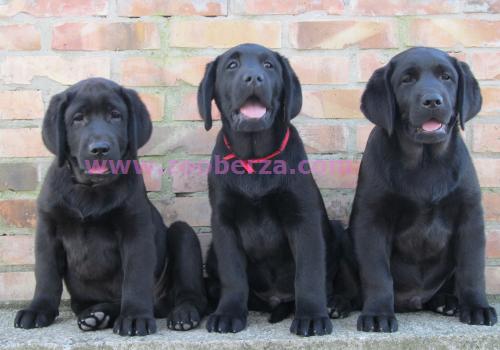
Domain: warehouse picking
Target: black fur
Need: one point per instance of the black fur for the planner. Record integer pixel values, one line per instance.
(273, 246)
(417, 220)
(99, 232)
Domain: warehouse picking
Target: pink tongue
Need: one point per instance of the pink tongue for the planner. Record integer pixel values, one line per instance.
(431, 125)
(253, 110)
(98, 170)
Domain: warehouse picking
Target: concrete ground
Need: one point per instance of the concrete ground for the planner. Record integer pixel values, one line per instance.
(422, 330)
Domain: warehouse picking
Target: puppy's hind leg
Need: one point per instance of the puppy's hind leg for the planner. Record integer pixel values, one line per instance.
(98, 316)
(185, 278)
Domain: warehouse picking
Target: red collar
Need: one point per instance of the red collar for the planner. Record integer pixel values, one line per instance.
(247, 163)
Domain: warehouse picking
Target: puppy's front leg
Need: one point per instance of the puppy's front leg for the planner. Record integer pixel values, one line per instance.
(138, 264)
(373, 251)
(469, 275)
(231, 313)
(308, 247)
(49, 266)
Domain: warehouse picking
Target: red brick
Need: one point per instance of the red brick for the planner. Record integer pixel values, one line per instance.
(18, 212)
(194, 210)
(491, 102)
(152, 172)
(485, 65)
(362, 133)
(187, 109)
(21, 104)
(22, 143)
(404, 7)
(447, 32)
(493, 244)
(342, 34)
(155, 103)
(17, 285)
(68, 70)
(335, 173)
(141, 71)
(323, 138)
(19, 37)
(290, 7)
(486, 138)
(17, 250)
(493, 279)
(487, 171)
(137, 8)
(106, 36)
(337, 103)
(188, 175)
(18, 177)
(491, 204)
(50, 8)
(224, 33)
(322, 69)
(369, 61)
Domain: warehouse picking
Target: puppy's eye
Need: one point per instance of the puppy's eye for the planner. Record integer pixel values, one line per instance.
(115, 114)
(268, 65)
(408, 79)
(445, 76)
(78, 117)
(232, 64)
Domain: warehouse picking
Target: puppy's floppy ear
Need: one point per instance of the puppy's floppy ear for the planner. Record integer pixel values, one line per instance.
(206, 93)
(378, 103)
(469, 100)
(292, 92)
(139, 123)
(54, 127)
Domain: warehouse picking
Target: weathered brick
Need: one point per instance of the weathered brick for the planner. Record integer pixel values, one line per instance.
(195, 210)
(492, 279)
(486, 138)
(18, 177)
(491, 103)
(448, 32)
(369, 61)
(491, 204)
(21, 104)
(205, 241)
(323, 138)
(155, 103)
(336, 103)
(404, 7)
(493, 244)
(322, 69)
(106, 36)
(67, 70)
(18, 212)
(22, 143)
(490, 6)
(335, 173)
(50, 8)
(485, 64)
(19, 37)
(224, 33)
(291, 7)
(487, 171)
(187, 108)
(137, 8)
(17, 250)
(16, 285)
(338, 205)
(188, 175)
(142, 71)
(152, 172)
(362, 133)
(342, 34)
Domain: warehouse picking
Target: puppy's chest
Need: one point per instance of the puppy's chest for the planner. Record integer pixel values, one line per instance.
(92, 249)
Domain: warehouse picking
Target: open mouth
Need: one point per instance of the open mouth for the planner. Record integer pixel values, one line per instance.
(98, 170)
(253, 109)
(432, 126)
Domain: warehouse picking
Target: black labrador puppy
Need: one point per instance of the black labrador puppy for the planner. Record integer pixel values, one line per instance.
(271, 234)
(417, 220)
(97, 229)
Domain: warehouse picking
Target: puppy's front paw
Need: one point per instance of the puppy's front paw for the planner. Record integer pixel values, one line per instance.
(377, 323)
(131, 326)
(183, 318)
(306, 327)
(226, 323)
(485, 316)
(28, 318)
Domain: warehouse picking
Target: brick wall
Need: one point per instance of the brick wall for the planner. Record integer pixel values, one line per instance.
(160, 48)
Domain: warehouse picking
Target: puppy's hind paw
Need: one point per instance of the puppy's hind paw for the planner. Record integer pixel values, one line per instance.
(444, 304)
(340, 307)
(94, 321)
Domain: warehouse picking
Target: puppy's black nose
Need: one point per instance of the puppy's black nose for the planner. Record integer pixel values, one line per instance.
(253, 78)
(432, 100)
(99, 148)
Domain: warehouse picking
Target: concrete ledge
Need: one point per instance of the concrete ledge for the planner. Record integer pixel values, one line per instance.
(417, 331)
